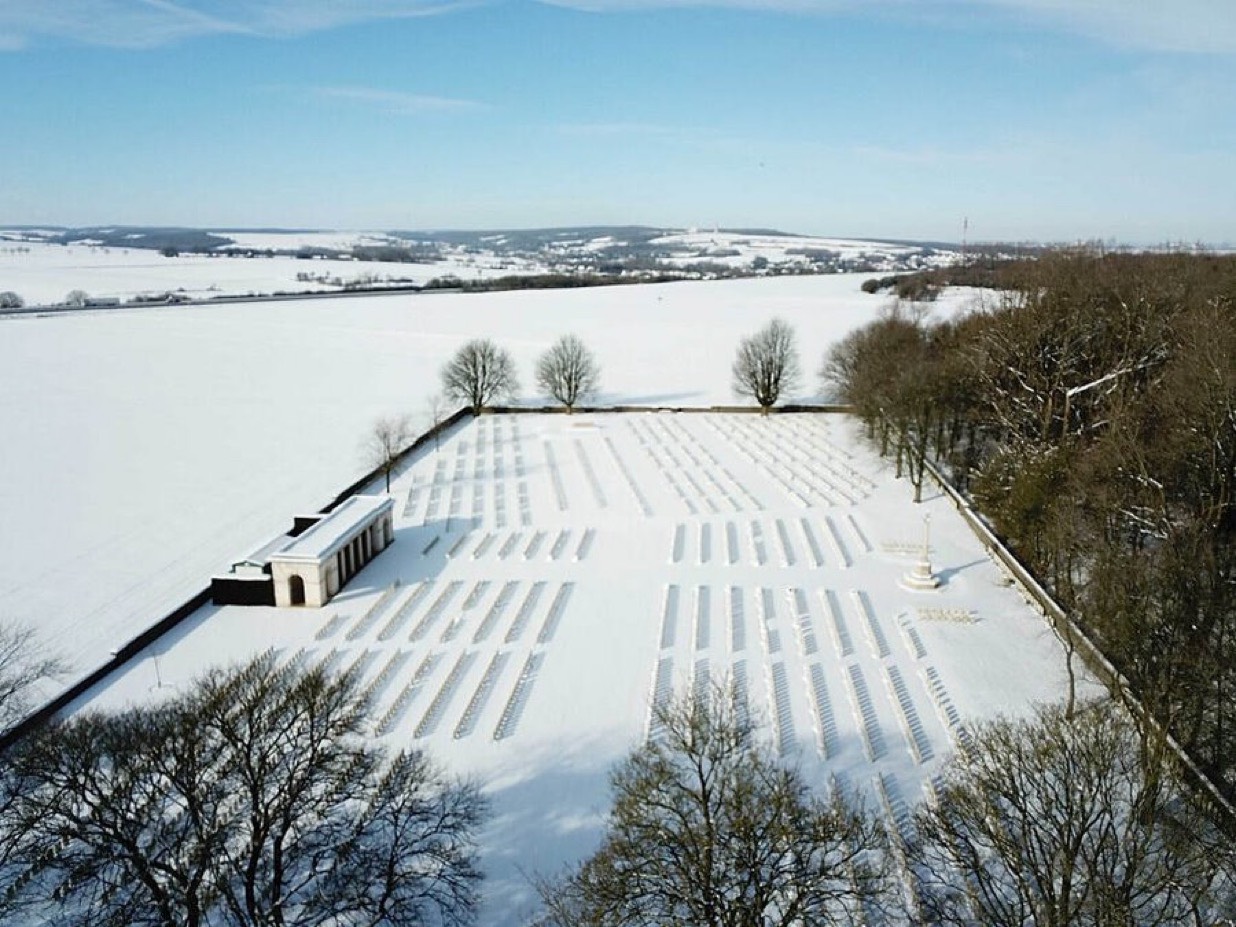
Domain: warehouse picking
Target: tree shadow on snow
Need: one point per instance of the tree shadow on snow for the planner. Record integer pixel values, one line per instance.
(550, 819)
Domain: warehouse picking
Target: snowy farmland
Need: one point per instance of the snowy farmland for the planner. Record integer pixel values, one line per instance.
(553, 577)
(40, 269)
(43, 274)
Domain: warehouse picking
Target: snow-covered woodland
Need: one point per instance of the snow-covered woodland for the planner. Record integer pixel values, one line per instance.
(1091, 412)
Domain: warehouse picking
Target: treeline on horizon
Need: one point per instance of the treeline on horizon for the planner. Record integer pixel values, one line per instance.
(1089, 409)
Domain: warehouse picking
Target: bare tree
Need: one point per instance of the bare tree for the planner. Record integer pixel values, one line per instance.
(10, 300)
(767, 365)
(568, 371)
(888, 372)
(435, 408)
(23, 665)
(708, 829)
(1057, 821)
(255, 798)
(387, 438)
(479, 373)
(77, 298)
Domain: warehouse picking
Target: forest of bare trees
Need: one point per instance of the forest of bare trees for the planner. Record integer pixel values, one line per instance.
(254, 797)
(1063, 818)
(1089, 408)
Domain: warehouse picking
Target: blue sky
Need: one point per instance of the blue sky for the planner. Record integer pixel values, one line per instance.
(1049, 120)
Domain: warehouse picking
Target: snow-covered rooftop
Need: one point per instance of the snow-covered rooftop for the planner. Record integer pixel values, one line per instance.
(553, 577)
(328, 535)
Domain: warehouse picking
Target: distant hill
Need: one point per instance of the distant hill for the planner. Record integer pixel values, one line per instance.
(110, 263)
(584, 249)
(154, 238)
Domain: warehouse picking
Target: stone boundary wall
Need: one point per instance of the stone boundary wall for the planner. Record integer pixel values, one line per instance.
(122, 656)
(1067, 628)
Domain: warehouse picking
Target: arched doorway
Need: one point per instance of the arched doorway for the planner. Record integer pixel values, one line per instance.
(296, 589)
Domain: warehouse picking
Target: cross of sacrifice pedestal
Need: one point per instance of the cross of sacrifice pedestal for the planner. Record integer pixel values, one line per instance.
(921, 577)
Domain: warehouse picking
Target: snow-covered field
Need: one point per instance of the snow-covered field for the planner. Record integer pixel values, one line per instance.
(739, 249)
(43, 274)
(555, 576)
(552, 576)
(285, 240)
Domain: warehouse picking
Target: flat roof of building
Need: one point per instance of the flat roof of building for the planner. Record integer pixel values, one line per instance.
(323, 539)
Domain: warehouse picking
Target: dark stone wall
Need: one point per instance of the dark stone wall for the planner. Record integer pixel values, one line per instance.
(235, 590)
(302, 523)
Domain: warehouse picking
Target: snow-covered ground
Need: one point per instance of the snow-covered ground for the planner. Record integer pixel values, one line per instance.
(44, 274)
(553, 577)
(285, 240)
(740, 249)
(146, 448)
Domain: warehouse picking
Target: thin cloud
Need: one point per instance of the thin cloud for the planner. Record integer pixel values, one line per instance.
(397, 102)
(1205, 26)
(1192, 26)
(929, 156)
(296, 17)
(114, 23)
(627, 129)
(795, 6)
(151, 23)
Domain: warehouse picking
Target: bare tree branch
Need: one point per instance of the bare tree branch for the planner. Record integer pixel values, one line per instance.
(1058, 820)
(387, 438)
(708, 829)
(23, 665)
(256, 797)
